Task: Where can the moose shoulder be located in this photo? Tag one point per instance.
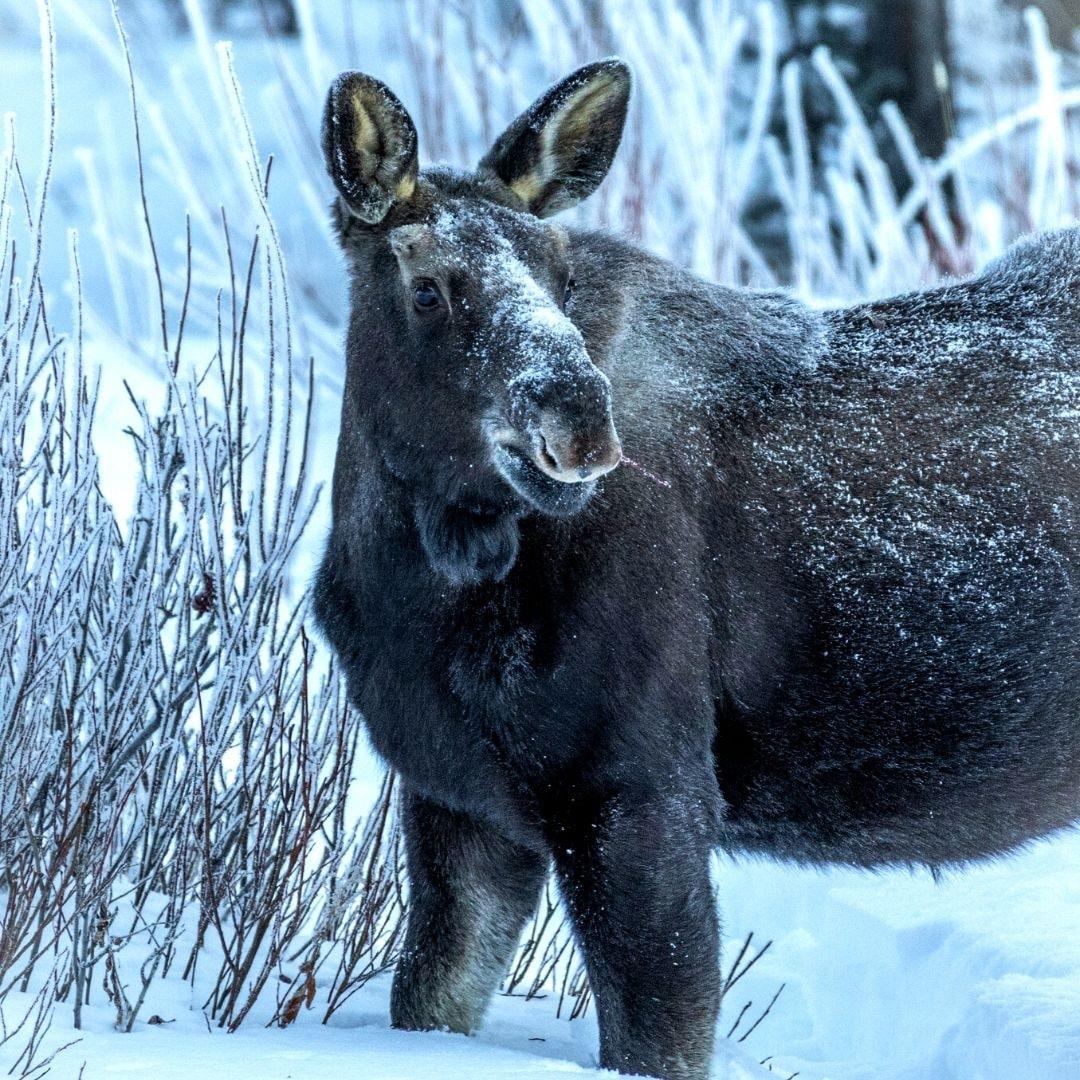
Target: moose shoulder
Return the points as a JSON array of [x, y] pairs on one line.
[[826, 608]]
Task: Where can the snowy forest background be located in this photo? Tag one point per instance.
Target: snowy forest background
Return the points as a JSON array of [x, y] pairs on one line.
[[199, 863]]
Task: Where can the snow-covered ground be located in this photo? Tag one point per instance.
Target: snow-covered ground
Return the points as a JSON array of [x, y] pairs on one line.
[[521, 1041], [889, 976], [893, 976]]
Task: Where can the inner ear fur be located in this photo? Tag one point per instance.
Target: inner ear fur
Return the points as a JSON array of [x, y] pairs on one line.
[[369, 143], [557, 151]]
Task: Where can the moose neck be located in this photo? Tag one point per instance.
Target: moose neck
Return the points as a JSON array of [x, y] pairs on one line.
[[674, 341]]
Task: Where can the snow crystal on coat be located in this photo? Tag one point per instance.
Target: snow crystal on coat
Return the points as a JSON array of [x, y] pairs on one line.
[[911, 490]]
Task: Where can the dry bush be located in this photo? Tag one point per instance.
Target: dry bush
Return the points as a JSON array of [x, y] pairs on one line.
[[174, 756]]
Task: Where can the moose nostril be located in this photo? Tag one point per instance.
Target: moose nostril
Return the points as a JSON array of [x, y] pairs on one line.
[[548, 457]]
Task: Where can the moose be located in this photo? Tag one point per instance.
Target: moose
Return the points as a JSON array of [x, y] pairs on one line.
[[831, 616]]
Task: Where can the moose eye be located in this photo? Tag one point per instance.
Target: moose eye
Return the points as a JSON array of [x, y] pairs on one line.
[[426, 295], [568, 292]]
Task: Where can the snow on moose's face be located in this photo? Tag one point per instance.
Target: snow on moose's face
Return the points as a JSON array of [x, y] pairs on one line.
[[485, 292]]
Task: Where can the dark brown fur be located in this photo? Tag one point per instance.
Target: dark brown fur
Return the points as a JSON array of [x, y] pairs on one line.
[[831, 616]]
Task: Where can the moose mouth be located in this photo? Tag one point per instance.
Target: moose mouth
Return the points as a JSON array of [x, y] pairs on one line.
[[545, 494]]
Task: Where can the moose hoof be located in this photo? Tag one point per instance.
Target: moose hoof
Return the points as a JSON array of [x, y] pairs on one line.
[[467, 547]]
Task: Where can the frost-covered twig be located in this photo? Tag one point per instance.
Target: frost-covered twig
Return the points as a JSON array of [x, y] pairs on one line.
[[172, 748]]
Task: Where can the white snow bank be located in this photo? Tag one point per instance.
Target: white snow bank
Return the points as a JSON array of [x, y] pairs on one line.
[[522, 1040], [895, 977], [889, 976]]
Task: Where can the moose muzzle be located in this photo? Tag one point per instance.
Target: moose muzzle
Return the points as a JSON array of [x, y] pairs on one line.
[[562, 408], [571, 453], [562, 437]]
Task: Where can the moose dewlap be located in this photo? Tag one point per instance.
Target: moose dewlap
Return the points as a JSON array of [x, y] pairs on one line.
[[832, 613]]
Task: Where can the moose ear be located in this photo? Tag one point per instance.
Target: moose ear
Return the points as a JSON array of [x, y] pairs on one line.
[[369, 142], [557, 151]]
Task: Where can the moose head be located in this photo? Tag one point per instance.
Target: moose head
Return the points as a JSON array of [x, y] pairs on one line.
[[466, 372]]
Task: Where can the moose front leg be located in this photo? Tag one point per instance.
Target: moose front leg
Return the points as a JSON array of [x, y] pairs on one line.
[[470, 893], [636, 882]]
